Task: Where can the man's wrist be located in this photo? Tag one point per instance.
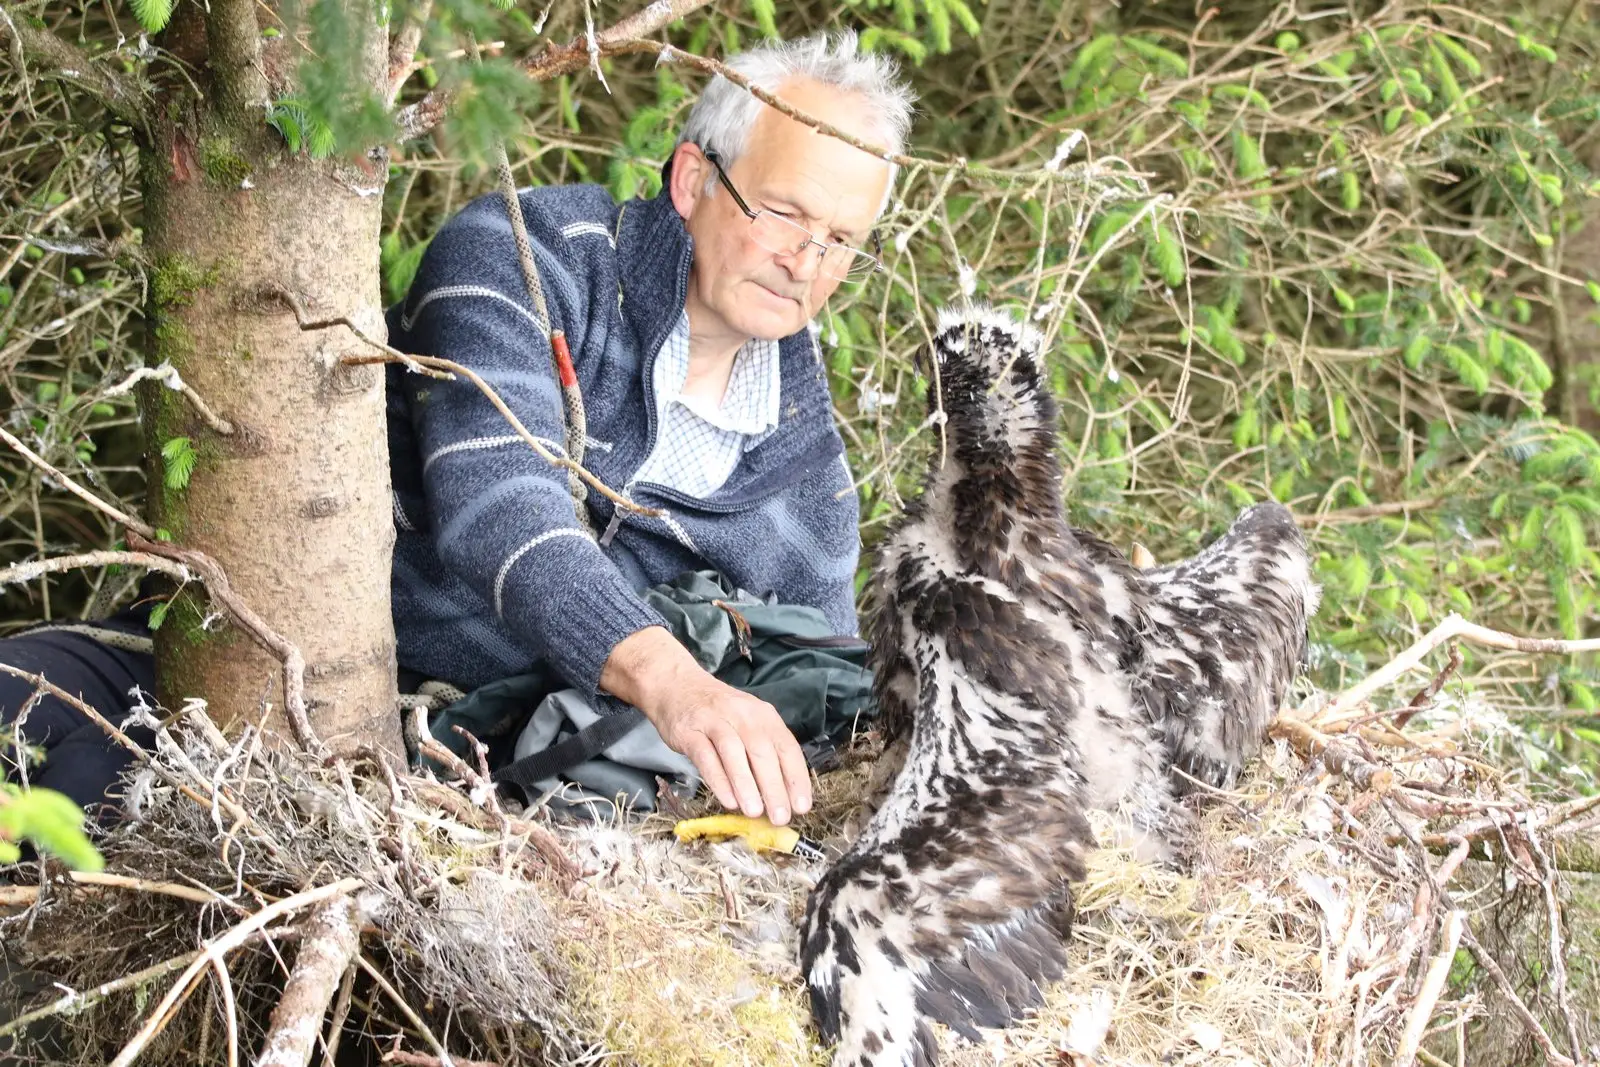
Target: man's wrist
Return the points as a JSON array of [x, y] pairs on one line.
[[645, 667]]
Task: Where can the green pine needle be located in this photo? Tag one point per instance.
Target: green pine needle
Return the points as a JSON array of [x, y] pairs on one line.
[[152, 14], [178, 456]]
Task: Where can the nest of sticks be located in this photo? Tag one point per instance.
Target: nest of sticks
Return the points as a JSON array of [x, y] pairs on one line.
[[1371, 893]]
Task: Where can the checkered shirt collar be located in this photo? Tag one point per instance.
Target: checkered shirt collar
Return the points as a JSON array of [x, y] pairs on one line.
[[750, 405]]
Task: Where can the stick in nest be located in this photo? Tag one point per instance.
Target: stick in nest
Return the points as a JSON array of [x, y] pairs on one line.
[[217, 948], [74, 1001], [1336, 755], [211, 799], [542, 840], [328, 944]]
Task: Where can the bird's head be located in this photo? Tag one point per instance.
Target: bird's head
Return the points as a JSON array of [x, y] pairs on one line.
[[994, 398]]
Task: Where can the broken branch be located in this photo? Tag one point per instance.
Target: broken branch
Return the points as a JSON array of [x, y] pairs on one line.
[[168, 376], [328, 944], [1336, 755], [220, 946], [436, 367], [294, 664], [1453, 626]]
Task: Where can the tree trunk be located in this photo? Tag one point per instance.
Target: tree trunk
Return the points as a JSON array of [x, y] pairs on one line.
[[294, 503]]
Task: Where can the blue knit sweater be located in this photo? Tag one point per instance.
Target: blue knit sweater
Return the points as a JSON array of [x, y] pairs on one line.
[[492, 572]]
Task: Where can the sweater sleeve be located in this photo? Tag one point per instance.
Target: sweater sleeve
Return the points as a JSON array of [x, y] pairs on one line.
[[502, 518]]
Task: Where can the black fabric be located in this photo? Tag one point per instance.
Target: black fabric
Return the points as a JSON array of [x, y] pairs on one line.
[[577, 748], [78, 759]]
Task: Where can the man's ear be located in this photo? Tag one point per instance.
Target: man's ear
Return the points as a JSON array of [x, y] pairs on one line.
[[687, 181]]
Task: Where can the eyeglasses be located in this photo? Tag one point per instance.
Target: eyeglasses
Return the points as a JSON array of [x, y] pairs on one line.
[[784, 237]]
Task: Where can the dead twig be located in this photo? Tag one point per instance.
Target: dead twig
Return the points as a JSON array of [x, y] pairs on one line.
[[1486, 960], [1453, 626], [168, 376], [1566, 853], [341, 1012], [32, 569], [73, 1000], [433, 366], [417, 119], [230, 1008], [208, 800], [143, 538], [12, 895], [221, 591], [1335, 754], [1428, 996], [1431, 690], [542, 840], [114, 513], [405, 1009]]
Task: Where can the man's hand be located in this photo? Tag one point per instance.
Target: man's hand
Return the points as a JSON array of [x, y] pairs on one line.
[[740, 745]]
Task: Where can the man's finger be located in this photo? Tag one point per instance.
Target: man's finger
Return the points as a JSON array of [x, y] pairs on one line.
[[736, 762], [706, 760], [795, 773], [769, 776]]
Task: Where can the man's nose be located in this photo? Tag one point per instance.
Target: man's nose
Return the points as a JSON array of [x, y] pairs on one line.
[[803, 265]]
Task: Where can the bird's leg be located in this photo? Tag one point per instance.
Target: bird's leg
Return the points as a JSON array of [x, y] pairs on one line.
[[885, 769]]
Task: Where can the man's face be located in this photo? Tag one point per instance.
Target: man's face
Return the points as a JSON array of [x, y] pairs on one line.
[[737, 289]]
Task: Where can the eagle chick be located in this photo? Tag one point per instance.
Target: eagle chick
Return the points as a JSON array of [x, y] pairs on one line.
[[1026, 672]]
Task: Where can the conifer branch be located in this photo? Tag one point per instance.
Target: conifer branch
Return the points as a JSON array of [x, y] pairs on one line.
[[404, 48], [49, 56], [590, 48], [624, 37]]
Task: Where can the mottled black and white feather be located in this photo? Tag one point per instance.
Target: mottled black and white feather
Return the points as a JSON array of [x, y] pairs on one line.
[[1026, 672]]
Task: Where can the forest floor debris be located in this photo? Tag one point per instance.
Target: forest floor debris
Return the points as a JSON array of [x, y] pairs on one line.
[[1347, 892]]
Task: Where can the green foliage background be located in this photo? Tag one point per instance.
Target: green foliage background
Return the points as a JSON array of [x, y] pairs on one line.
[[1320, 258], [1314, 259]]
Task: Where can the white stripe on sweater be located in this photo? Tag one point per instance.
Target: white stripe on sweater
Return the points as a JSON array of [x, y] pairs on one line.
[[581, 229], [679, 532], [451, 291], [478, 444], [401, 519], [505, 568]]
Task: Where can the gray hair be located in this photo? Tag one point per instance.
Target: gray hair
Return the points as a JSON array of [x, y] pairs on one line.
[[721, 120]]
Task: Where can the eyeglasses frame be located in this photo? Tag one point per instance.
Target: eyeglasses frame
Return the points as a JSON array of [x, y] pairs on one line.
[[874, 258]]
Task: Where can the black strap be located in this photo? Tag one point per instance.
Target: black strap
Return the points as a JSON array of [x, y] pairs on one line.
[[581, 747]]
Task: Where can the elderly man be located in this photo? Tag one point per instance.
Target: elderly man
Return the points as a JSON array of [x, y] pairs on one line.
[[687, 316], [707, 403]]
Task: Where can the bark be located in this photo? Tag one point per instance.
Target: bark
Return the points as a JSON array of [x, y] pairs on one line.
[[295, 503]]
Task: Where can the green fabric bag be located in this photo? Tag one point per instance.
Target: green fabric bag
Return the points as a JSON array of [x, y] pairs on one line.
[[543, 736]]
